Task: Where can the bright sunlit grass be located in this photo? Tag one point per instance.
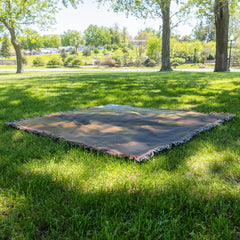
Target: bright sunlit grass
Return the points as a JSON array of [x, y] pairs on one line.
[[53, 190]]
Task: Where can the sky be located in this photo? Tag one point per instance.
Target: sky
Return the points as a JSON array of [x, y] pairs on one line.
[[88, 13]]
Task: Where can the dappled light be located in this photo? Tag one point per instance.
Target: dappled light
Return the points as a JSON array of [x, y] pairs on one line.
[[123, 130], [51, 188]]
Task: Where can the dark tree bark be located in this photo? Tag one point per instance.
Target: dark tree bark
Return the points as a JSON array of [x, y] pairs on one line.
[[165, 9], [17, 48], [16, 45], [221, 12]]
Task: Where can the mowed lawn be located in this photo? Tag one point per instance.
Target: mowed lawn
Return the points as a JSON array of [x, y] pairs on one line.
[[53, 190]]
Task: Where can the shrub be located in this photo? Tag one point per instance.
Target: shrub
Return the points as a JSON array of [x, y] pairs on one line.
[[97, 62], [150, 62], [138, 62], [154, 48], [86, 52], [105, 52], [24, 60], [54, 62], [109, 61], [130, 63], [118, 52], [96, 50], [236, 54], [68, 60], [115, 46], [211, 57], [74, 51], [119, 60], [125, 50], [178, 60], [73, 61], [175, 64], [76, 62], [195, 56], [126, 59], [131, 46], [122, 45], [63, 54], [203, 59], [109, 48], [38, 62], [180, 54]]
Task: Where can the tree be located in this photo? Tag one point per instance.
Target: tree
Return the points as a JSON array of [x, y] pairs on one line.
[[72, 38], [221, 10], [234, 25], [51, 41], [5, 49], [154, 48], [144, 9], [31, 41], [63, 54], [15, 15], [97, 36], [144, 35], [115, 35], [205, 32], [124, 35], [165, 9]]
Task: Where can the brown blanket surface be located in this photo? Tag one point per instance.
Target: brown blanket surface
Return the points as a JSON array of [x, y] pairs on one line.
[[123, 130]]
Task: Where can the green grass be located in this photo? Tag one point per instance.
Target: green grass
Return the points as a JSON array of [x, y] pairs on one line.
[[53, 190], [8, 67]]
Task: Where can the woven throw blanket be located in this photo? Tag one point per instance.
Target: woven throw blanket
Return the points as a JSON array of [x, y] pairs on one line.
[[126, 131]]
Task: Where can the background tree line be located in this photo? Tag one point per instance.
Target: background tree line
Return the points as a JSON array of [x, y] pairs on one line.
[[195, 48], [17, 15], [93, 36]]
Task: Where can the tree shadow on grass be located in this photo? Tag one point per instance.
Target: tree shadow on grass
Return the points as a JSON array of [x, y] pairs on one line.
[[45, 201], [43, 206], [53, 207], [39, 95]]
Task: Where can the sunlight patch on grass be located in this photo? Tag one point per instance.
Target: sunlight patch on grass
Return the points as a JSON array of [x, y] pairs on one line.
[[14, 102], [85, 178], [51, 189], [5, 207]]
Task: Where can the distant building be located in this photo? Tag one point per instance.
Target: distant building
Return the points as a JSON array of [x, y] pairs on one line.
[[33, 52], [67, 48], [48, 50], [137, 43], [102, 47], [82, 48]]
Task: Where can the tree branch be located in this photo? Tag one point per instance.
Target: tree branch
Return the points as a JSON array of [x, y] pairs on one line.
[[5, 23]]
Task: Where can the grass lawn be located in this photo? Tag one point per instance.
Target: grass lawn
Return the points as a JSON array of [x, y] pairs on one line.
[[53, 190]]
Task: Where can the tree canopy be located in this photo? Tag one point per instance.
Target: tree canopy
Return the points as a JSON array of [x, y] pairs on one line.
[[5, 49], [220, 10], [22, 13], [145, 9], [97, 36], [71, 38], [17, 15]]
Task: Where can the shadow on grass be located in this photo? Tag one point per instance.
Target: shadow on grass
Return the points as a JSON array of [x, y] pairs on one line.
[[43, 206], [34, 95], [69, 91], [112, 198]]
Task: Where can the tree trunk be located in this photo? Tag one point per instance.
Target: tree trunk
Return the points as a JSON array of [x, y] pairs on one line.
[[221, 12], [17, 48], [165, 8]]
